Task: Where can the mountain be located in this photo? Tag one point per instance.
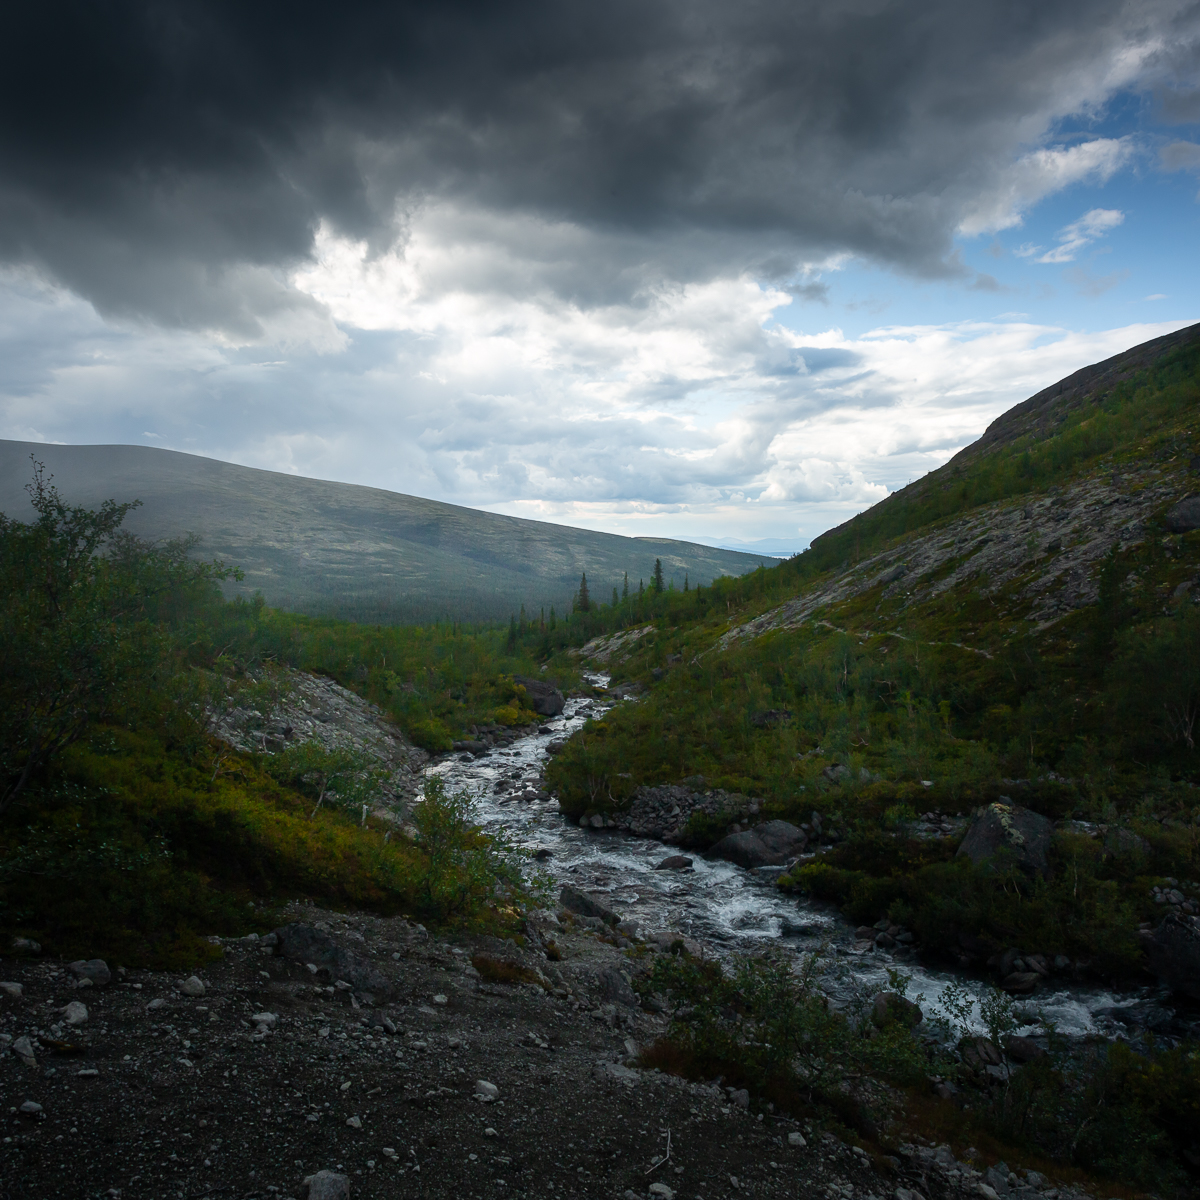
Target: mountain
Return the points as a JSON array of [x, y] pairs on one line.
[[1010, 643], [359, 552]]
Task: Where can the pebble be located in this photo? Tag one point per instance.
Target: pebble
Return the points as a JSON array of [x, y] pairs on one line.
[[74, 1013], [155, 1004], [14, 991], [87, 1073], [193, 985], [31, 1108], [796, 1138], [354, 1122], [490, 1132], [390, 1152], [265, 1020], [440, 999], [485, 1091], [661, 1189]]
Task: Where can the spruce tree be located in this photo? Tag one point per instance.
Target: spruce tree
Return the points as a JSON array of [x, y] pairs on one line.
[[553, 619], [658, 576], [685, 581], [615, 600], [625, 589], [584, 603]]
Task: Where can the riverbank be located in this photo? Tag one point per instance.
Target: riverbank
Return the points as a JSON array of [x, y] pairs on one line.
[[275, 1071]]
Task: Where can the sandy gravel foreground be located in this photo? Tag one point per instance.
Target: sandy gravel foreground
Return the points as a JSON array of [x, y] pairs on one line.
[[276, 1072]]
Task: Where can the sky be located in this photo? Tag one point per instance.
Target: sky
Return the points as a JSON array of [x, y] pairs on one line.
[[722, 271]]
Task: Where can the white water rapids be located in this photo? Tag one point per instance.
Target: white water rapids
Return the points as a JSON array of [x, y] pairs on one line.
[[718, 904]]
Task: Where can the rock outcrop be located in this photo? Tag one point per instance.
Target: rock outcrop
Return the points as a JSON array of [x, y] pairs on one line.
[[1009, 830], [306, 944], [545, 699]]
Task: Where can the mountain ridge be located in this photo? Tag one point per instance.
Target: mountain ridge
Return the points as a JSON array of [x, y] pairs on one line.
[[351, 550]]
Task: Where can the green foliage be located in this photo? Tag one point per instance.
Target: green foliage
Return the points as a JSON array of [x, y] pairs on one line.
[[1154, 682], [80, 627], [768, 1023], [346, 777], [469, 876]]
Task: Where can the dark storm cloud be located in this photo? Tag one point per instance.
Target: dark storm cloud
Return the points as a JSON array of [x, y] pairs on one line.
[[173, 160]]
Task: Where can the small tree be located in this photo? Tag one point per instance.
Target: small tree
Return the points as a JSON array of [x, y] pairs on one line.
[[583, 602], [658, 576], [625, 588], [82, 612]]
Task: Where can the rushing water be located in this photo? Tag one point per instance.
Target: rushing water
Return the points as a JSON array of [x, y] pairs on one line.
[[717, 903]]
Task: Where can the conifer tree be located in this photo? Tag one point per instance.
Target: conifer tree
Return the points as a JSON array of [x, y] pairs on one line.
[[615, 600], [658, 576], [583, 603], [625, 589], [553, 619], [685, 581]]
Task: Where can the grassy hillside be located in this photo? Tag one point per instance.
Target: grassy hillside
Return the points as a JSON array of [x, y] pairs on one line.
[[354, 552], [1019, 623]]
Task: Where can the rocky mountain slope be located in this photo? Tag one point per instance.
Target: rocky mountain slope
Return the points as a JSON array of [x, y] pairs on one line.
[[333, 548]]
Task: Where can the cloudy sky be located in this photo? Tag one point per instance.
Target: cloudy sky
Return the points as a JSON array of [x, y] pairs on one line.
[[728, 271]]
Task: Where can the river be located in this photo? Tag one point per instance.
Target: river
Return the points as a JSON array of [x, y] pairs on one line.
[[724, 907]]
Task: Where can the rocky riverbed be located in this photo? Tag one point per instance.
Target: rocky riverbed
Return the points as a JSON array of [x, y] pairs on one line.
[[423, 1075]]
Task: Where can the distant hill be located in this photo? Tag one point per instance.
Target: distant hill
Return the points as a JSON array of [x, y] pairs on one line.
[[358, 552]]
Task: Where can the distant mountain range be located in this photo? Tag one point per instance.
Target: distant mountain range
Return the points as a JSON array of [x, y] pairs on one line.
[[358, 552]]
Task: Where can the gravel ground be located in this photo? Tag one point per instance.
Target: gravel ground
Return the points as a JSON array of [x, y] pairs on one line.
[[163, 1094]]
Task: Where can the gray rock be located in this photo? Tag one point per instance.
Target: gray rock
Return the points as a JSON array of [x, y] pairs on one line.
[[739, 1097], [662, 1191], [23, 1049], [31, 1108], [26, 946], [1005, 829], [889, 1008], [303, 943], [193, 985], [94, 969], [75, 1013], [1022, 1049], [1185, 516], [486, 1091], [545, 699], [265, 1020], [796, 1138], [676, 862], [325, 1185], [1173, 954], [615, 988], [585, 905], [14, 991], [770, 844]]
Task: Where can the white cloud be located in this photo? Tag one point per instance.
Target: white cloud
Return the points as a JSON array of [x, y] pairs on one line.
[[687, 411], [1041, 174], [1082, 233]]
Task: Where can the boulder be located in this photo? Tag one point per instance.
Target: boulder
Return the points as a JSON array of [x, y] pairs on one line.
[[676, 862], [770, 844], [888, 1008], [1005, 828], [585, 905], [94, 969], [1173, 954], [325, 1185], [1185, 516], [544, 698], [1022, 1049], [615, 988], [304, 944]]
